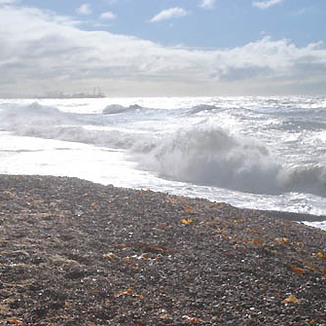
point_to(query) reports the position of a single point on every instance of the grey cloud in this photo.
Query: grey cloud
(39, 46)
(245, 73)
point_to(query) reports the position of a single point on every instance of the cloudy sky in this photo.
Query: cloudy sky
(163, 47)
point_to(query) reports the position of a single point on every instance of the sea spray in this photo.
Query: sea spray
(214, 157)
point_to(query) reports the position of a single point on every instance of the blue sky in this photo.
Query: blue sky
(224, 23)
(164, 47)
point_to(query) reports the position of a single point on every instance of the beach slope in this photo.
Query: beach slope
(77, 253)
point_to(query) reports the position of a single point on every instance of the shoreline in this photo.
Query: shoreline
(292, 216)
(78, 253)
(282, 215)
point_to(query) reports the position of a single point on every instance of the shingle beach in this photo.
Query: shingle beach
(77, 253)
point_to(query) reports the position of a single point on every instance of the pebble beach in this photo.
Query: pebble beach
(73, 252)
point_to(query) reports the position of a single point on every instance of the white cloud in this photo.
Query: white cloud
(266, 4)
(41, 51)
(169, 14)
(108, 15)
(207, 4)
(84, 9)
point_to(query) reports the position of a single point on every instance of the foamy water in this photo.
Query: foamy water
(264, 153)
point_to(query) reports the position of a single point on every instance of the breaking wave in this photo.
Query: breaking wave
(214, 157)
(47, 122)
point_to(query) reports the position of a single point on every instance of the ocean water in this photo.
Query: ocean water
(254, 152)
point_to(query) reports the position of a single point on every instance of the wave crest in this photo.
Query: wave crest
(214, 157)
(117, 108)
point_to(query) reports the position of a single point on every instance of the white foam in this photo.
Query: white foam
(214, 157)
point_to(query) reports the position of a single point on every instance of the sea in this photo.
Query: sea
(252, 152)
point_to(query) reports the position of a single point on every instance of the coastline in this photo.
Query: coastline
(78, 253)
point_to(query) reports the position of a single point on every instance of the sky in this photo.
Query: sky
(163, 47)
